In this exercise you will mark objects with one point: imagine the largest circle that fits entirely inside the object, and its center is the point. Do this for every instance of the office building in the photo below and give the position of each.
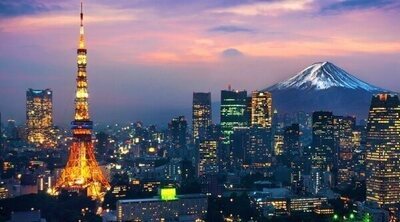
(251, 147)
(177, 130)
(234, 112)
(292, 152)
(261, 109)
(208, 161)
(383, 150)
(201, 115)
(291, 141)
(343, 132)
(39, 117)
(322, 154)
(167, 207)
(306, 204)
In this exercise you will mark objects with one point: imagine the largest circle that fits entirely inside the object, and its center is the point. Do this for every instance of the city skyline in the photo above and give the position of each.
(322, 145)
(133, 51)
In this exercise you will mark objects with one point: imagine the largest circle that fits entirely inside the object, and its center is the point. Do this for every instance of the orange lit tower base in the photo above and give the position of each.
(82, 171)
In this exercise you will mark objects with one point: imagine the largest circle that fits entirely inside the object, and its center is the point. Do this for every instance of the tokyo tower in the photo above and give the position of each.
(82, 171)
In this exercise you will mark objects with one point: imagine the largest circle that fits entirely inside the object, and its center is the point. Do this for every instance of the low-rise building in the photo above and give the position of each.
(306, 204)
(166, 207)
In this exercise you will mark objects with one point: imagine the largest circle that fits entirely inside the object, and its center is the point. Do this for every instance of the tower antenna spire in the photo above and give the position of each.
(81, 13)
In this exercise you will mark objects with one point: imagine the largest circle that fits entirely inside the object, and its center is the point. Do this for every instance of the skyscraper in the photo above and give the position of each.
(293, 152)
(177, 134)
(201, 115)
(383, 150)
(207, 163)
(233, 112)
(343, 132)
(251, 147)
(39, 117)
(82, 171)
(12, 130)
(261, 109)
(291, 140)
(322, 154)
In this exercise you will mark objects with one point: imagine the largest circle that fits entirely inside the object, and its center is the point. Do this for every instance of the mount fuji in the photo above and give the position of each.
(324, 86)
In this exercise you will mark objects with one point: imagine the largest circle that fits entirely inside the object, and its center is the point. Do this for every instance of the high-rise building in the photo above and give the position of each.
(322, 154)
(261, 109)
(39, 117)
(12, 130)
(201, 115)
(278, 143)
(177, 134)
(208, 161)
(293, 152)
(383, 150)
(102, 144)
(291, 140)
(233, 112)
(316, 180)
(251, 147)
(82, 171)
(344, 148)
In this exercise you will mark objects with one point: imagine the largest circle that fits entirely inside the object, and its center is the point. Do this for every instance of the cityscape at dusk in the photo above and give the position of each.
(164, 50)
(183, 110)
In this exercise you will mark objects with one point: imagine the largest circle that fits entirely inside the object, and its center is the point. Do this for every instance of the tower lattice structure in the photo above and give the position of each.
(82, 170)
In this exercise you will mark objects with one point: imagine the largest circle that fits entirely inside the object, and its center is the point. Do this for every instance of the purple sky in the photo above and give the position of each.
(146, 57)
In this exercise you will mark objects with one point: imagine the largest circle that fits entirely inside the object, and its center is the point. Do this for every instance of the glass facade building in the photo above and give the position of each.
(322, 154)
(39, 117)
(383, 150)
(234, 112)
(201, 115)
(208, 158)
(261, 109)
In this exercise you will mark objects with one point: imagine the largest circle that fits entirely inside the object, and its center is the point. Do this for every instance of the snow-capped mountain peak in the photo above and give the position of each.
(324, 75)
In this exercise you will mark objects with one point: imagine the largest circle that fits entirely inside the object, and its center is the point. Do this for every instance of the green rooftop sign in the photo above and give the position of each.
(168, 193)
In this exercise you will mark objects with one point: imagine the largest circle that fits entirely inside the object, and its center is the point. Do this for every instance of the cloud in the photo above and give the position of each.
(12, 8)
(230, 29)
(232, 53)
(334, 47)
(104, 15)
(266, 7)
(358, 4)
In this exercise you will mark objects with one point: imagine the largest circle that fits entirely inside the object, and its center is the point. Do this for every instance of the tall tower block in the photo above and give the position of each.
(82, 171)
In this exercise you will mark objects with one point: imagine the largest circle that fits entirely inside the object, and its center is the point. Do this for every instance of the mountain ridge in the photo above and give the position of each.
(321, 76)
(324, 86)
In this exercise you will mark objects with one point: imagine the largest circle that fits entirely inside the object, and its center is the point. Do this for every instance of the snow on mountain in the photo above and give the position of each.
(324, 75)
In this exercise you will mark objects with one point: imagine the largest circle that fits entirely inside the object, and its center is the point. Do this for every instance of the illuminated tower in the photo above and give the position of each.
(39, 117)
(233, 112)
(261, 109)
(82, 171)
(383, 150)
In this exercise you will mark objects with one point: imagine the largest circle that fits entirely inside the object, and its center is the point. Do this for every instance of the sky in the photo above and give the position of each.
(146, 57)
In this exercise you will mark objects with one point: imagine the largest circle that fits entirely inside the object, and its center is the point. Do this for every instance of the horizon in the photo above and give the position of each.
(136, 65)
